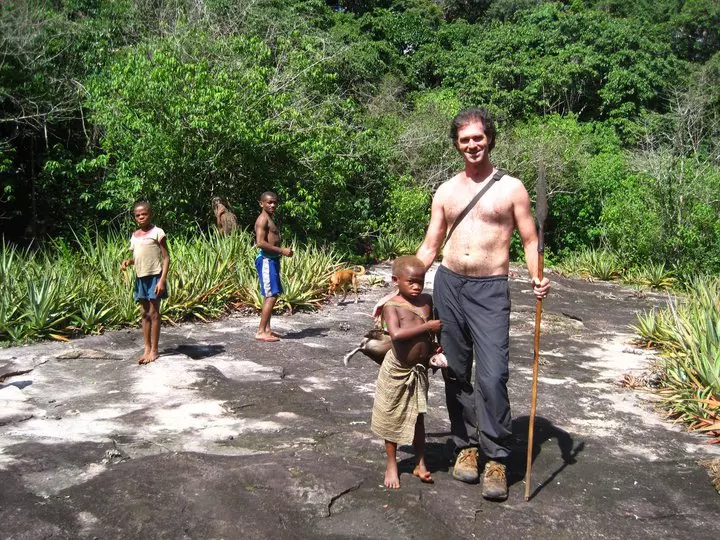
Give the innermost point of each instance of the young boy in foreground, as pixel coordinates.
(267, 263)
(152, 262)
(402, 384)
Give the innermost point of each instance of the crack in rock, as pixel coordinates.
(17, 421)
(14, 374)
(352, 488)
(657, 517)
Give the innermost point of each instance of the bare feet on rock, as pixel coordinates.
(148, 357)
(423, 474)
(392, 479)
(269, 336)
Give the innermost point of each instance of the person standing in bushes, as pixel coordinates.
(472, 297)
(267, 262)
(152, 262)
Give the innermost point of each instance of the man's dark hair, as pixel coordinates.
(267, 194)
(468, 116)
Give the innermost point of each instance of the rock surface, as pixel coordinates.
(226, 437)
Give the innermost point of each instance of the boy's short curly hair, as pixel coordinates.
(468, 116)
(401, 265)
(142, 201)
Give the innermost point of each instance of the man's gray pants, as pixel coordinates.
(475, 313)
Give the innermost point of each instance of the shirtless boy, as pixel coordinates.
(402, 384)
(472, 297)
(267, 263)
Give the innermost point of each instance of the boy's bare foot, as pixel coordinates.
(423, 474)
(143, 357)
(266, 337)
(275, 334)
(392, 480)
(147, 358)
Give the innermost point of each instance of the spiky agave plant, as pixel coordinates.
(12, 292)
(657, 276)
(690, 385)
(201, 284)
(602, 264)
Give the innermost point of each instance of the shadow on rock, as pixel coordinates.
(17, 384)
(437, 458)
(305, 333)
(350, 301)
(196, 352)
(544, 432)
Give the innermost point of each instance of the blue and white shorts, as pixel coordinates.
(268, 269)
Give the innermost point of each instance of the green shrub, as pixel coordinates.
(688, 335)
(631, 223)
(656, 276)
(409, 211)
(78, 288)
(601, 264)
(391, 246)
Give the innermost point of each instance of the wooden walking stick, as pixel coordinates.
(541, 214)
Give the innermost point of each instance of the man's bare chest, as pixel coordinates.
(491, 208)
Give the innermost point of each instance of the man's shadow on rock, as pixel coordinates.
(544, 431)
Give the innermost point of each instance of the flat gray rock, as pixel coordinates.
(227, 437)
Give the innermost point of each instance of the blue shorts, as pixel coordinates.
(145, 288)
(268, 269)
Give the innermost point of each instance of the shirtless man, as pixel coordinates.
(472, 297)
(267, 263)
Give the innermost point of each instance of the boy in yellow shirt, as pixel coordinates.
(152, 262)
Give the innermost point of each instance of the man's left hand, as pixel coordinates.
(541, 288)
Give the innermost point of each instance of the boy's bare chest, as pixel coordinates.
(272, 228)
(415, 316)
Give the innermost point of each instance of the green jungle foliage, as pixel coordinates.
(343, 107)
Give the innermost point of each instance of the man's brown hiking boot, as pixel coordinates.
(466, 466)
(494, 481)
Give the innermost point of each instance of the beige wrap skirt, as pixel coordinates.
(400, 395)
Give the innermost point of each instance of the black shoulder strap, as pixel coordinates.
(497, 176)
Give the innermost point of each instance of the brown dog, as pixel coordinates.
(226, 220)
(341, 279)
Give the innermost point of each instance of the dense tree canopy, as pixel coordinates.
(342, 107)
